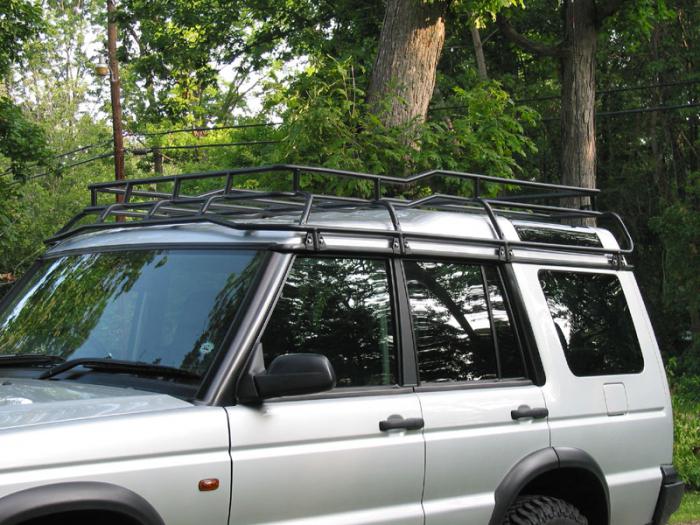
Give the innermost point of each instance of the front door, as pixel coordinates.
(323, 459)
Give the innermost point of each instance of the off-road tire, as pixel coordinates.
(543, 510)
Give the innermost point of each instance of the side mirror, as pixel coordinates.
(296, 374)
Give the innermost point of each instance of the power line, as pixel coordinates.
(73, 165)
(82, 148)
(632, 111)
(144, 151)
(204, 128)
(598, 92)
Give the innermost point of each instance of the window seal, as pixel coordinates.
(472, 385)
(489, 309)
(408, 352)
(348, 392)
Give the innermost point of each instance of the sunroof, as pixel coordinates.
(543, 234)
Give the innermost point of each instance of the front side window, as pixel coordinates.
(593, 322)
(461, 333)
(160, 307)
(341, 308)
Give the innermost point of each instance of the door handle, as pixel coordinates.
(397, 422)
(525, 412)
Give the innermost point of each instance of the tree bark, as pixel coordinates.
(578, 159)
(576, 53)
(478, 51)
(410, 45)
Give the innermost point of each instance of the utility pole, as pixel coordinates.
(115, 92)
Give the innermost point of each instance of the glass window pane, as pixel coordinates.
(593, 322)
(165, 307)
(512, 365)
(340, 308)
(451, 322)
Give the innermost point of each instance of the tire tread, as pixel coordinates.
(542, 510)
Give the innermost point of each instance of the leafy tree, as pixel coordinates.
(20, 141)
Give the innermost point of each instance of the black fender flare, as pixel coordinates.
(536, 464)
(45, 500)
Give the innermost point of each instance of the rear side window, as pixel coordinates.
(461, 332)
(593, 322)
(341, 308)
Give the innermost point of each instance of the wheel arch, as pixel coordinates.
(552, 470)
(47, 500)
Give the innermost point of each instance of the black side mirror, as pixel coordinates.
(296, 374)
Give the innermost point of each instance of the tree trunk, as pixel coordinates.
(404, 71)
(578, 160)
(478, 52)
(576, 53)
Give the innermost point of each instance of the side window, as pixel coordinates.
(593, 322)
(454, 334)
(510, 355)
(341, 308)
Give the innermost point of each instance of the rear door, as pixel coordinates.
(323, 459)
(473, 374)
(606, 388)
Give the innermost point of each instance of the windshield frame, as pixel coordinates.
(205, 383)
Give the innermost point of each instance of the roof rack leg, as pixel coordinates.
(296, 181)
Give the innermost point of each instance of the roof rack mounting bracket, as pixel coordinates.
(616, 261)
(400, 246)
(504, 253)
(314, 241)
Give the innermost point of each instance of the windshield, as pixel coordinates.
(162, 307)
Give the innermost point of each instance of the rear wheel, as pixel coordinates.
(543, 510)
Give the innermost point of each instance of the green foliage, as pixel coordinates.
(22, 142)
(689, 510)
(327, 122)
(20, 20)
(678, 228)
(686, 447)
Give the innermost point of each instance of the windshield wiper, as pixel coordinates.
(20, 360)
(116, 366)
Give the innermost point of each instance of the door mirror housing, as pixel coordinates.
(295, 374)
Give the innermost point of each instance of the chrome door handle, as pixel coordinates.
(396, 422)
(525, 412)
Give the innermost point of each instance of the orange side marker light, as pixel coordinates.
(209, 484)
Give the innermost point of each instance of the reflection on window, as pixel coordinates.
(511, 358)
(340, 308)
(451, 322)
(164, 307)
(593, 323)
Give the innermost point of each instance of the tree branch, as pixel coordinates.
(606, 8)
(537, 48)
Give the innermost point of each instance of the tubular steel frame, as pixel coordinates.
(228, 206)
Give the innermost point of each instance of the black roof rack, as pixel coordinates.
(140, 201)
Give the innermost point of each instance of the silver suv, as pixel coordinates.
(198, 354)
